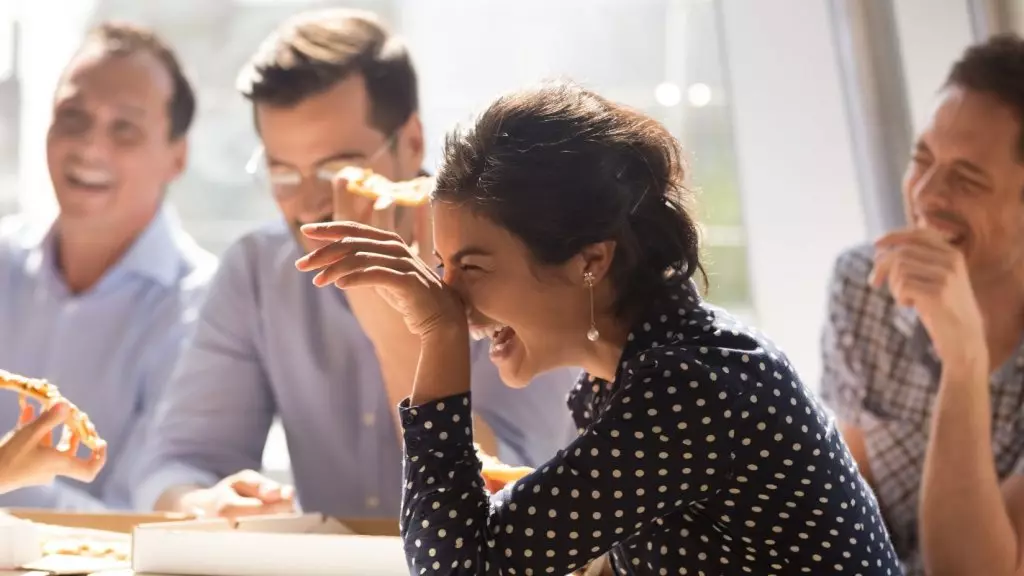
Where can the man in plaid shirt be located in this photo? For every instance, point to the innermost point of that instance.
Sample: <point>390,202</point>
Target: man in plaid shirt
<point>923,352</point>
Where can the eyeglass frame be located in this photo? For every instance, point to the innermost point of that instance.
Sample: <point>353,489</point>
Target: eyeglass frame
<point>321,173</point>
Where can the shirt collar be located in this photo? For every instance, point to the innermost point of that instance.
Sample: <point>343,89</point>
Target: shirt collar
<point>154,254</point>
<point>682,303</point>
<point>677,307</point>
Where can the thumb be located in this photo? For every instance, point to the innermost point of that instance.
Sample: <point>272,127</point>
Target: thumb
<point>255,485</point>
<point>41,427</point>
<point>234,505</point>
<point>882,267</point>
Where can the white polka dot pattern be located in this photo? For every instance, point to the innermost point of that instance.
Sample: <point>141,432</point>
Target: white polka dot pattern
<point>706,455</point>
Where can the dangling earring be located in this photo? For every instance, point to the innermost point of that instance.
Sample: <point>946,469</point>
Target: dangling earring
<point>592,334</point>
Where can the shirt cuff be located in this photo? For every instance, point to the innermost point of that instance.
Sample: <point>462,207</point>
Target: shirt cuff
<point>168,476</point>
<point>437,426</point>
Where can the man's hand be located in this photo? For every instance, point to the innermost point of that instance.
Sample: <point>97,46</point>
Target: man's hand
<point>964,524</point>
<point>247,493</point>
<point>927,273</point>
<point>28,457</point>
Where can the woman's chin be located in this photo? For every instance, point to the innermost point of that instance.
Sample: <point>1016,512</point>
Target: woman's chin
<point>512,372</point>
<point>513,365</point>
<point>517,367</point>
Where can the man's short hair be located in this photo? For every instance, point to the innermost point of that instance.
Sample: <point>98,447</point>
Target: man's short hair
<point>310,53</point>
<point>127,39</point>
<point>995,67</point>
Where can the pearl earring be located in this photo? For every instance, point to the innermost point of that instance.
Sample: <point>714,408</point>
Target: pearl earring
<point>592,334</point>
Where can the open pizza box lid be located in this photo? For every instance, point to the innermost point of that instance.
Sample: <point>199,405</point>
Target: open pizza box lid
<point>298,544</point>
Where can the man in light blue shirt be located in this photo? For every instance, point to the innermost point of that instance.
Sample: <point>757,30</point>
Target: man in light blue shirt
<point>100,300</point>
<point>329,89</point>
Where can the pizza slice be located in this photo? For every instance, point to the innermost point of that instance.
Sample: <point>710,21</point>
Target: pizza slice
<point>365,182</point>
<point>497,474</point>
<point>47,395</point>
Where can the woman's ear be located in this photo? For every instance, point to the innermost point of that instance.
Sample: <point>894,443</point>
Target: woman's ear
<point>596,259</point>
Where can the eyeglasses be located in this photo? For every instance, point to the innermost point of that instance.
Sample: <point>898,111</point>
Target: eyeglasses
<point>286,182</point>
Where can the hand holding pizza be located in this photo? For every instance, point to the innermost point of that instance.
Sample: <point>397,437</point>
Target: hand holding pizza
<point>28,457</point>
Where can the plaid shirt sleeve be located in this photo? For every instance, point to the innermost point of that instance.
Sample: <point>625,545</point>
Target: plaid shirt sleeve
<point>866,384</point>
<point>843,387</point>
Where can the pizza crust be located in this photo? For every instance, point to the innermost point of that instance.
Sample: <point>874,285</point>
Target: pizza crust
<point>365,182</point>
<point>47,395</point>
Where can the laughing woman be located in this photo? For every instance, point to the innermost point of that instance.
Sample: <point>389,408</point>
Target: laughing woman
<point>560,222</point>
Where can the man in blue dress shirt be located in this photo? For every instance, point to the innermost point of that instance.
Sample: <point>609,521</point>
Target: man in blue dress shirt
<point>100,300</point>
<point>329,88</point>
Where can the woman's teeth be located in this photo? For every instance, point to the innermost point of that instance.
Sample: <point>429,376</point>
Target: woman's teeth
<point>481,332</point>
<point>501,338</point>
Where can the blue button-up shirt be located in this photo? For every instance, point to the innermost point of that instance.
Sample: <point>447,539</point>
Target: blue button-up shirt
<point>268,343</point>
<point>110,350</point>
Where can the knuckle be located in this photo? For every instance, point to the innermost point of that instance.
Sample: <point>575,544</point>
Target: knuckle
<point>392,236</point>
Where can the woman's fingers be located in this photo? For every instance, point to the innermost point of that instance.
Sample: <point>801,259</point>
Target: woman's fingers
<point>338,250</point>
<point>33,431</point>
<point>334,231</point>
<point>355,263</point>
<point>48,420</point>
<point>377,276</point>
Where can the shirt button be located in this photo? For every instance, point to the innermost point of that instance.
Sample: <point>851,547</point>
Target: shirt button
<point>372,502</point>
<point>369,419</point>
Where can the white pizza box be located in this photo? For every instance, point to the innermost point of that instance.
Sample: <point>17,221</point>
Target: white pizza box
<point>293,544</point>
<point>68,527</point>
<point>20,542</point>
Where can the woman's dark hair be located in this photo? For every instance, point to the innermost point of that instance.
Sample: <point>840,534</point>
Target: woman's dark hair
<point>561,168</point>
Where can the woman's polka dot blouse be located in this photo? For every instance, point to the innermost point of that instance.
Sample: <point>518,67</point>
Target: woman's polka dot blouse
<point>706,455</point>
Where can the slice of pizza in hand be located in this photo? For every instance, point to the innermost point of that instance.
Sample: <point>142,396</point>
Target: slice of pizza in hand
<point>497,474</point>
<point>47,395</point>
<point>365,182</point>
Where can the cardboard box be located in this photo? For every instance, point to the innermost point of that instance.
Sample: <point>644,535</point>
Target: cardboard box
<point>20,542</point>
<point>68,528</point>
<point>299,544</point>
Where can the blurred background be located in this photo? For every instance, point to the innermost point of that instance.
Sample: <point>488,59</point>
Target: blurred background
<point>797,115</point>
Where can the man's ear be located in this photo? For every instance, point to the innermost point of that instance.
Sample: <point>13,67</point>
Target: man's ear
<point>179,159</point>
<point>410,142</point>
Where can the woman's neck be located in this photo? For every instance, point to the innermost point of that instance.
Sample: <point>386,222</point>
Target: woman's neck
<point>601,358</point>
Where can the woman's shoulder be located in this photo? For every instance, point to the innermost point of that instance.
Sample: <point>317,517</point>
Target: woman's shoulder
<point>706,337</point>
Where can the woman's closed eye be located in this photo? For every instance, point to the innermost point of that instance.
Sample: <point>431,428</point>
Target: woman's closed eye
<point>462,267</point>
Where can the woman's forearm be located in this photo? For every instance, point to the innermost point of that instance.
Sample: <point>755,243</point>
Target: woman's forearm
<point>443,368</point>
